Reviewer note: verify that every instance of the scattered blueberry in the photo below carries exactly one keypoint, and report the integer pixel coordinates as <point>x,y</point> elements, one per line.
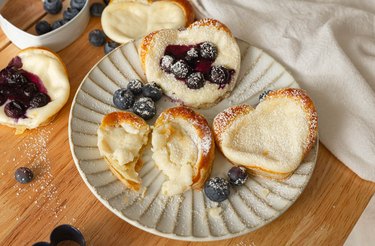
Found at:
<point>70,13</point>
<point>217,189</point>
<point>96,9</point>
<point>30,89</point>
<point>152,91</point>
<point>208,50</point>
<point>23,175</point>
<point>39,100</point>
<point>237,176</point>
<point>97,37</point>
<point>144,107</point>
<point>123,98</point>
<point>109,46</point>
<point>195,80</point>
<point>4,90</point>
<point>58,23</point>
<point>135,86</point>
<point>52,6</point>
<point>77,4</point>
<point>180,69</point>
<point>3,99</point>
<point>219,75</point>
<point>16,78</point>
<point>192,54</point>
<point>166,63</point>
<point>14,109</point>
<point>42,27</point>
<point>263,95</point>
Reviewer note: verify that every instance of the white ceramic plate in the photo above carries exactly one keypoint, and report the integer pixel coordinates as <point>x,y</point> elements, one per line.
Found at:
<point>190,216</point>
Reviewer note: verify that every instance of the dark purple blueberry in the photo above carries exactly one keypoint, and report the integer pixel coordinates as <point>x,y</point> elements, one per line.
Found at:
<point>24,175</point>
<point>16,62</point>
<point>208,50</point>
<point>145,108</point>
<point>97,37</point>
<point>195,80</point>
<point>30,89</point>
<point>180,69</point>
<point>192,54</point>
<point>135,86</point>
<point>39,100</point>
<point>4,90</point>
<point>123,99</point>
<point>237,176</point>
<point>14,109</point>
<point>52,6</point>
<point>177,51</point>
<point>70,13</point>
<point>166,63</point>
<point>109,46</point>
<point>78,4</point>
<point>3,99</point>
<point>42,27</point>
<point>106,2</point>
<point>16,78</point>
<point>219,75</point>
<point>263,95</point>
<point>58,24</point>
<point>217,189</point>
<point>152,91</point>
<point>96,9</point>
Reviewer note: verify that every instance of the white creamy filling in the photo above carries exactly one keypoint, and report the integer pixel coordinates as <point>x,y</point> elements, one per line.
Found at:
<point>127,21</point>
<point>271,137</point>
<point>122,147</point>
<point>54,78</point>
<point>175,153</point>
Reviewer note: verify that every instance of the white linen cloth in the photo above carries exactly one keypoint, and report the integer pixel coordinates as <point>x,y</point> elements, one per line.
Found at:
<point>329,47</point>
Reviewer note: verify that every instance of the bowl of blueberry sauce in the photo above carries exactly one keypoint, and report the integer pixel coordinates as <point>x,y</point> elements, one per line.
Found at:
<point>57,35</point>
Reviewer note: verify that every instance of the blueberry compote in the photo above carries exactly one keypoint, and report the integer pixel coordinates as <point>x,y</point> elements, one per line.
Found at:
<point>20,90</point>
<point>189,62</point>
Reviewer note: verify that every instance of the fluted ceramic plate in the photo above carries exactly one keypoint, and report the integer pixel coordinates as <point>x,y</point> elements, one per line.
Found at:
<point>190,216</point>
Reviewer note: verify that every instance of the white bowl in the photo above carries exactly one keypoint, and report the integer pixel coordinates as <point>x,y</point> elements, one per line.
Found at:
<point>56,40</point>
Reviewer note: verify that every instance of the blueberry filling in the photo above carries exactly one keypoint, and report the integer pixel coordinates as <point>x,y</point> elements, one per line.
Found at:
<point>20,90</point>
<point>192,64</point>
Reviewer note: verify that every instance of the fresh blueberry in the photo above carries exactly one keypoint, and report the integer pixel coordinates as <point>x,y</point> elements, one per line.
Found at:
<point>70,13</point>
<point>30,89</point>
<point>123,98</point>
<point>109,46</point>
<point>263,95</point>
<point>52,6</point>
<point>217,189</point>
<point>39,100</point>
<point>42,27</point>
<point>237,176</point>
<point>135,86</point>
<point>58,23</point>
<point>77,4</point>
<point>4,90</point>
<point>24,175</point>
<point>96,9</point>
<point>219,75</point>
<point>195,80</point>
<point>14,109</point>
<point>3,99</point>
<point>180,69</point>
<point>166,63</point>
<point>106,2</point>
<point>97,37</point>
<point>145,108</point>
<point>16,78</point>
<point>192,54</point>
<point>152,91</point>
<point>208,50</point>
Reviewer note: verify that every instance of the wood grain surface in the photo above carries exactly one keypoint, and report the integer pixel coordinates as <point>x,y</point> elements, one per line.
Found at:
<point>323,215</point>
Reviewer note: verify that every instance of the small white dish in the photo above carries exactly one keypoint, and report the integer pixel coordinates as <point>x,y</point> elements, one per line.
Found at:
<point>56,40</point>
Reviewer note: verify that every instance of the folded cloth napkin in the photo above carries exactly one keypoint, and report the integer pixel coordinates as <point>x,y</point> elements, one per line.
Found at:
<point>329,46</point>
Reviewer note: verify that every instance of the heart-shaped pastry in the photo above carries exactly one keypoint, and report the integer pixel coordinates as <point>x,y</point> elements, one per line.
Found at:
<point>123,21</point>
<point>197,67</point>
<point>272,139</point>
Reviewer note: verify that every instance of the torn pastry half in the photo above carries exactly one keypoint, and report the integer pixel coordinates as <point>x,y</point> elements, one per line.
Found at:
<point>122,138</point>
<point>183,149</point>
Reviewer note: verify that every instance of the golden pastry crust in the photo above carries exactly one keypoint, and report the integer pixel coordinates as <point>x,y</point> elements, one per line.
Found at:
<point>225,119</point>
<point>205,160</point>
<point>115,119</point>
<point>187,8</point>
